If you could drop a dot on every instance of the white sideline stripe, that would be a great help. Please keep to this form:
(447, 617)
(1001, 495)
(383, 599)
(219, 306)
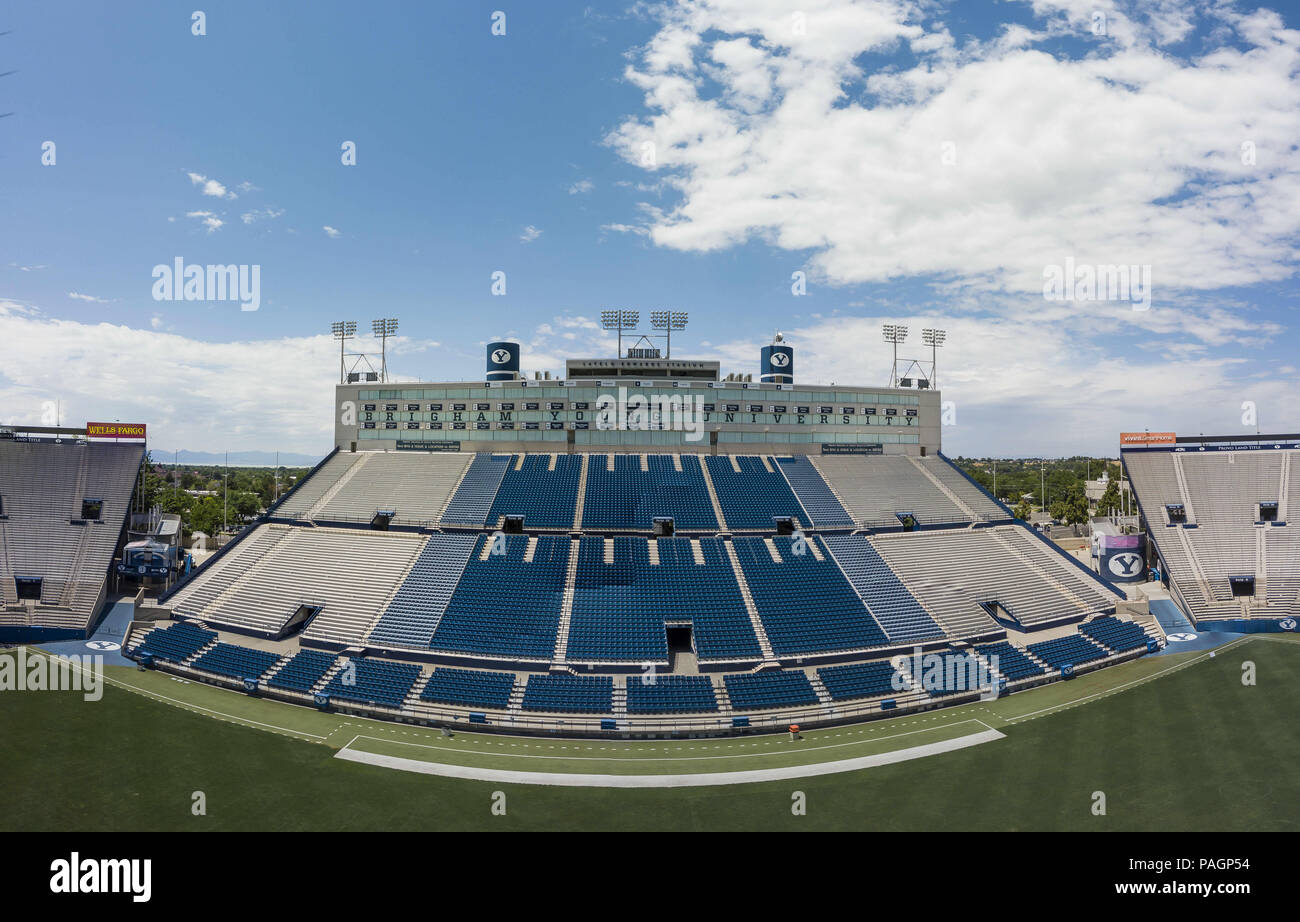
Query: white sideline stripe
(575, 779)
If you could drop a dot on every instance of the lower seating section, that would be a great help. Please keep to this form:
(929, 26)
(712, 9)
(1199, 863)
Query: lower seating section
(302, 672)
(620, 607)
(1114, 633)
(888, 600)
(670, 694)
(1011, 660)
(753, 496)
(952, 672)
(806, 604)
(236, 662)
(861, 680)
(630, 498)
(176, 643)
(1072, 649)
(569, 694)
(504, 605)
(546, 498)
(469, 687)
(372, 681)
(813, 493)
(752, 692)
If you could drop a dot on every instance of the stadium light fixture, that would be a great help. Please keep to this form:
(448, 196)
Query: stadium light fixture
(620, 320)
(343, 330)
(384, 328)
(669, 321)
(934, 339)
(894, 333)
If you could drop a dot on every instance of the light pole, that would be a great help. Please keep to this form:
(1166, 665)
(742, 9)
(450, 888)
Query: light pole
(894, 333)
(934, 339)
(669, 321)
(383, 329)
(620, 320)
(343, 330)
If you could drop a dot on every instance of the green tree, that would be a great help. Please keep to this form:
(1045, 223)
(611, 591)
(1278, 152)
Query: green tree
(1109, 503)
(1023, 510)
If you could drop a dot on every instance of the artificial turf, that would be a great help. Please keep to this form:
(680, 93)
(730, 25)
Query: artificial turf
(1191, 750)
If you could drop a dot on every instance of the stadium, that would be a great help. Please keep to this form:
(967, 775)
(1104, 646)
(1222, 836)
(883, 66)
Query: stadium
(658, 513)
(644, 550)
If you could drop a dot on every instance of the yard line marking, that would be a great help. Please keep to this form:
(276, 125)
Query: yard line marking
(568, 779)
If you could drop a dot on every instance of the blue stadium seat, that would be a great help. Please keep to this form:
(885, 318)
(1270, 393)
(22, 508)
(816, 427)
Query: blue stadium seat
(619, 609)
(894, 608)
(806, 605)
(1072, 649)
(752, 498)
(670, 694)
(473, 499)
(176, 643)
(237, 662)
(569, 693)
(302, 672)
(373, 682)
(860, 680)
(545, 498)
(469, 687)
(1119, 635)
(504, 606)
(755, 691)
(1011, 660)
(813, 494)
(628, 498)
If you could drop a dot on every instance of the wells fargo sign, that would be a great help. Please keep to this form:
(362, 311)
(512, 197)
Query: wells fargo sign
(1147, 438)
(115, 430)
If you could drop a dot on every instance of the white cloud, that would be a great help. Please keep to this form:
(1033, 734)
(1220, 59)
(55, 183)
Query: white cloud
(21, 268)
(226, 385)
(211, 186)
(261, 214)
(78, 296)
(208, 218)
(581, 187)
(331, 232)
(982, 162)
(530, 234)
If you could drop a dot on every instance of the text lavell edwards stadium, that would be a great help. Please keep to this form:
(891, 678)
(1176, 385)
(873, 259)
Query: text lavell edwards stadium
(103, 875)
(179, 282)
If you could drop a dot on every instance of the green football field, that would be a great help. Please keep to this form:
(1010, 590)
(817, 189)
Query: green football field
(1173, 743)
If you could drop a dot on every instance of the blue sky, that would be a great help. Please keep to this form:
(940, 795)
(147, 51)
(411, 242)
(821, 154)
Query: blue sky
(920, 163)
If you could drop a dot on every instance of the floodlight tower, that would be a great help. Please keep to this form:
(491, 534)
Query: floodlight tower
(669, 321)
(894, 333)
(343, 330)
(383, 329)
(934, 339)
(620, 320)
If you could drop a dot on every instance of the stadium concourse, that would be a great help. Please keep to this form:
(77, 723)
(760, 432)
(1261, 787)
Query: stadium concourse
(637, 594)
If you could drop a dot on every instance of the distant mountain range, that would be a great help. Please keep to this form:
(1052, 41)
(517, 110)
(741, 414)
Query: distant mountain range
(237, 458)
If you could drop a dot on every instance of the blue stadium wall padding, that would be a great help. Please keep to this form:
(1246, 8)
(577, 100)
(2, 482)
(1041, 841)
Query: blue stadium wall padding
(28, 633)
(740, 721)
(310, 474)
(888, 704)
(607, 724)
(1011, 516)
(477, 717)
(1067, 670)
(321, 701)
(1251, 626)
(1152, 645)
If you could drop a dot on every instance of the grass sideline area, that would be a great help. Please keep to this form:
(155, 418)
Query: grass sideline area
(1175, 742)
